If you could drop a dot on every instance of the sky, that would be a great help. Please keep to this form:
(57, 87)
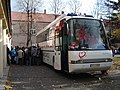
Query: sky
(87, 6)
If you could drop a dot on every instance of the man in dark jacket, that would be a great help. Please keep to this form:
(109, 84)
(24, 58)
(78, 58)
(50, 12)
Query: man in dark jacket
(39, 56)
(8, 56)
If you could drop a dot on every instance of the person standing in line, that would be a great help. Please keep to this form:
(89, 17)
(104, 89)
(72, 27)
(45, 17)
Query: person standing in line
(13, 55)
(29, 56)
(34, 52)
(39, 56)
(20, 56)
(24, 61)
(8, 56)
(16, 49)
(26, 56)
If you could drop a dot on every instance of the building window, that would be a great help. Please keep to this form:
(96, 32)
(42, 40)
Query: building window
(33, 32)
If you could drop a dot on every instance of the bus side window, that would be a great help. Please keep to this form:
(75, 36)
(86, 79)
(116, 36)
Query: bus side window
(45, 37)
(64, 36)
(58, 37)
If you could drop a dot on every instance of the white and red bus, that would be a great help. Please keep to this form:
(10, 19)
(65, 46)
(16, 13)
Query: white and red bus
(75, 44)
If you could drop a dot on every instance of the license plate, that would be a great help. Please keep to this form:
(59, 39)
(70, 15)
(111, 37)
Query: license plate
(94, 65)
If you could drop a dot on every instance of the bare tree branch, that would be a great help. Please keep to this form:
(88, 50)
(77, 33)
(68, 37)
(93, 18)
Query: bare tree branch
(75, 5)
(56, 5)
(99, 9)
(22, 4)
(28, 6)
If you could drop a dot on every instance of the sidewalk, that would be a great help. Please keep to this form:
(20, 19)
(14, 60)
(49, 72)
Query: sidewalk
(4, 78)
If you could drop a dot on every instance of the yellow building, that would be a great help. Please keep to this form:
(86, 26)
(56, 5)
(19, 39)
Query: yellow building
(5, 33)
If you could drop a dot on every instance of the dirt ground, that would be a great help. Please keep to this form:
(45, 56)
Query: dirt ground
(116, 63)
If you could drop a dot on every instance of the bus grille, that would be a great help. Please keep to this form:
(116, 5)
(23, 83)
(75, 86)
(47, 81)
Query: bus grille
(93, 60)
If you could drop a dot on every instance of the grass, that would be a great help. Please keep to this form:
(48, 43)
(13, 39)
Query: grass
(116, 58)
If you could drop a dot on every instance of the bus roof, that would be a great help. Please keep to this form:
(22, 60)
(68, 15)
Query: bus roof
(52, 23)
(63, 16)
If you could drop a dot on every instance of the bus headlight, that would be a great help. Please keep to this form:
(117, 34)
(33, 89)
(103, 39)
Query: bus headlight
(108, 60)
(76, 62)
(79, 61)
(73, 62)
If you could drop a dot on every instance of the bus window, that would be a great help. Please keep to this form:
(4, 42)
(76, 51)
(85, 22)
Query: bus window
(58, 39)
(81, 36)
(86, 34)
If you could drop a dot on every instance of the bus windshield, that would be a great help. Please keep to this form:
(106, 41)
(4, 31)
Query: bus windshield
(86, 34)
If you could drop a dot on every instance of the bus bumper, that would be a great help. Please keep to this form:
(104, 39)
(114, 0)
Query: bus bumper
(83, 68)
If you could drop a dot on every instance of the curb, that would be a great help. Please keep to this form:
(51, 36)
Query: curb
(4, 78)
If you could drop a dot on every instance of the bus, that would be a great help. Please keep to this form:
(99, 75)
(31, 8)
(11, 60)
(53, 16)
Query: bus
(76, 44)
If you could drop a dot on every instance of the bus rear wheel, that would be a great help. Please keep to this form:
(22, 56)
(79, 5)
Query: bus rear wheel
(104, 72)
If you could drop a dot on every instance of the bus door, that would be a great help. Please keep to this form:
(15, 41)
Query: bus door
(64, 51)
(58, 47)
(61, 47)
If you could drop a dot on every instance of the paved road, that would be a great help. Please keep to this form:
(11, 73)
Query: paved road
(45, 78)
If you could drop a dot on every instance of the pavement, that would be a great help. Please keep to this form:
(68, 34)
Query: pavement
(116, 63)
(3, 80)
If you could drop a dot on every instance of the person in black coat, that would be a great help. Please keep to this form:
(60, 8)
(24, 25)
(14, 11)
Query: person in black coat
(29, 56)
(39, 56)
(8, 56)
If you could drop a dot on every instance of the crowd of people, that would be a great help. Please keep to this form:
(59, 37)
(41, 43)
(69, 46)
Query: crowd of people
(24, 56)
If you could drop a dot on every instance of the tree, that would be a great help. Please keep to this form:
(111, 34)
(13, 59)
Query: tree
(29, 6)
(114, 18)
(56, 5)
(99, 10)
(75, 6)
(25, 5)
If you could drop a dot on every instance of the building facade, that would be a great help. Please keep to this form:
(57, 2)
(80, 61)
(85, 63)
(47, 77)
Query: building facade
(5, 33)
(20, 26)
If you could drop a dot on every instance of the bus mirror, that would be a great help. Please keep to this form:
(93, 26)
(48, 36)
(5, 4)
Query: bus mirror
(59, 27)
(65, 28)
(62, 26)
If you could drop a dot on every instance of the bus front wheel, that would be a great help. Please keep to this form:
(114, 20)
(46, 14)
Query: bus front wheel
(104, 72)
